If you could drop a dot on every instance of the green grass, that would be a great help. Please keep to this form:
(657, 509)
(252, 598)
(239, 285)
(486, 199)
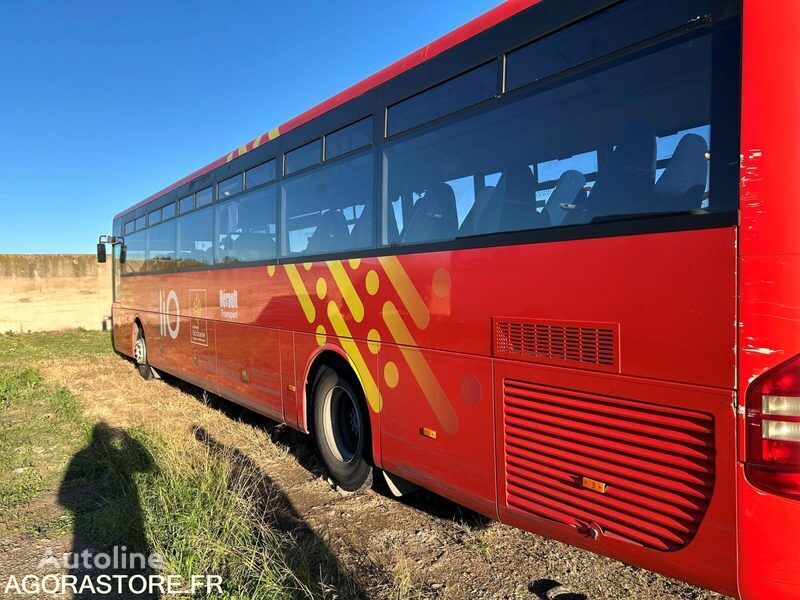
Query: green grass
(25, 349)
(39, 426)
(200, 505)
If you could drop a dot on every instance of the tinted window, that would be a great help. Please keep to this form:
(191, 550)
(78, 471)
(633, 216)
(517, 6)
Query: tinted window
(195, 238)
(154, 217)
(205, 197)
(349, 138)
(245, 229)
(136, 243)
(168, 211)
(130, 227)
(302, 157)
(588, 153)
(161, 247)
(186, 204)
(230, 186)
(329, 209)
(462, 91)
(261, 174)
(140, 223)
(613, 29)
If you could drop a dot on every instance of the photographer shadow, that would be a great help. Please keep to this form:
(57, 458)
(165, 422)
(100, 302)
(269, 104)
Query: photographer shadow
(100, 491)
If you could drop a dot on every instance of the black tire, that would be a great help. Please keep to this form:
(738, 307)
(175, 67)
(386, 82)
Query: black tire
(140, 356)
(342, 430)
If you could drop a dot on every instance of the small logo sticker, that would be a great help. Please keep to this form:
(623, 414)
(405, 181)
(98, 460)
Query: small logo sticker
(199, 326)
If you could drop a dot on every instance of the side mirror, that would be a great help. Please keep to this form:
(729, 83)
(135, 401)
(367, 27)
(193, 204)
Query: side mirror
(123, 254)
(101, 252)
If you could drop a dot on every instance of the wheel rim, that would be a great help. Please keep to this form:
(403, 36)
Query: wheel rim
(341, 424)
(140, 351)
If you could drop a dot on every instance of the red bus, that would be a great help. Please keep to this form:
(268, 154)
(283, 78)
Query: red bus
(547, 266)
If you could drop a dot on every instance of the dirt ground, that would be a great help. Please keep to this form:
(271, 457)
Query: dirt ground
(420, 546)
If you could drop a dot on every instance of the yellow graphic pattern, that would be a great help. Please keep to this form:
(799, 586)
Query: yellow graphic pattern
(392, 318)
(301, 292)
(349, 293)
(405, 289)
(351, 348)
(252, 145)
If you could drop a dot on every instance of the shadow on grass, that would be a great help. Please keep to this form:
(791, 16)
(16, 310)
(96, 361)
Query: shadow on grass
(309, 557)
(99, 489)
(302, 448)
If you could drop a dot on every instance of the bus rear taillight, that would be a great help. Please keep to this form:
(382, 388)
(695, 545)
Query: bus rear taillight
(773, 430)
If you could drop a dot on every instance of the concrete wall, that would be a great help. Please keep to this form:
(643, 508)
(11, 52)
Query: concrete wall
(47, 292)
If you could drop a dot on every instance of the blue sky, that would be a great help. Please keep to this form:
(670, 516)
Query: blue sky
(104, 103)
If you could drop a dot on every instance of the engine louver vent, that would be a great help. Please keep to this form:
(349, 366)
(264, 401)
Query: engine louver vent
(629, 470)
(587, 345)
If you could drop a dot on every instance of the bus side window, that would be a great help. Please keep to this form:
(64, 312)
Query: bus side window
(196, 238)
(576, 153)
(160, 247)
(323, 208)
(245, 227)
(136, 243)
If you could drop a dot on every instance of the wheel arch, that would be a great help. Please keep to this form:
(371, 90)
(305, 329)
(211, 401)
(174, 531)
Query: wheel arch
(137, 322)
(334, 357)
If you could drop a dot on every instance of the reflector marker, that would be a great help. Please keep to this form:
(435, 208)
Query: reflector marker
(301, 292)
(422, 372)
(349, 293)
(351, 349)
(428, 433)
(405, 289)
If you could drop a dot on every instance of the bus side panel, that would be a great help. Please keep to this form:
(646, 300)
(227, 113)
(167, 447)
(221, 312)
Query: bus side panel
(290, 389)
(769, 333)
(249, 366)
(197, 361)
(612, 464)
(437, 423)
(163, 350)
(123, 330)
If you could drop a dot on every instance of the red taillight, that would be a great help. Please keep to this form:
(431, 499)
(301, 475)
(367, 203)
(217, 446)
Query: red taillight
(773, 430)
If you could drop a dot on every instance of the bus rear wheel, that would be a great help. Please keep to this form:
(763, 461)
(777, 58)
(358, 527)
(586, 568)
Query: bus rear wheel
(140, 355)
(341, 428)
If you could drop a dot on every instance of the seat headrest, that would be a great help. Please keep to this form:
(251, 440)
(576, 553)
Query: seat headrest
(687, 170)
(517, 183)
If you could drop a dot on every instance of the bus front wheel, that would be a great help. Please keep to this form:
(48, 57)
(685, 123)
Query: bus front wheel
(341, 428)
(140, 355)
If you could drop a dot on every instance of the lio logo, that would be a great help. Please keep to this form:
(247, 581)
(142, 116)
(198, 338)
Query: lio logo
(167, 308)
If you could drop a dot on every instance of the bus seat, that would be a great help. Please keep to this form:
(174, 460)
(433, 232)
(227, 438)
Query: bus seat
(683, 183)
(568, 190)
(482, 199)
(435, 216)
(514, 202)
(363, 231)
(330, 235)
(625, 184)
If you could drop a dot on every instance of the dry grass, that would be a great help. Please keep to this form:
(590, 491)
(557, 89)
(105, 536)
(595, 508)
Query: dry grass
(147, 475)
(279, 526)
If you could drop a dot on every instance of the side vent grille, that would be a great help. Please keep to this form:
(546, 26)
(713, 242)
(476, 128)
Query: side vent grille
(587, 345)
(618, 468)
